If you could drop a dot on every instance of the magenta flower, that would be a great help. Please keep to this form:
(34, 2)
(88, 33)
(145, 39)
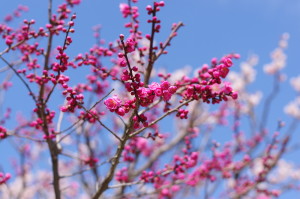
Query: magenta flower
(113, 103)
(125, 9)
(223, 71)
(156, 88)
(130, 45)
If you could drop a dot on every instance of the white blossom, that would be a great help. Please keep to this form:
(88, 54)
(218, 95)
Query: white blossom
(278, 57)
(293, 109)
(295, 82)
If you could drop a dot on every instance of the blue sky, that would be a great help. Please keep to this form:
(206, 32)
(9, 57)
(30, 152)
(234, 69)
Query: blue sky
(212, 28)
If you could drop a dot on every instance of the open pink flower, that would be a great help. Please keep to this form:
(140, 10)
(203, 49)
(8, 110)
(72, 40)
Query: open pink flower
(113, 103)
(156, 88)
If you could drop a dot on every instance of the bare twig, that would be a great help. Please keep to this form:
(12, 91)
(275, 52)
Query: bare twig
(101, 123)
(21, 78)
(26, 137)
(168, 41)
(268, 102)
(70, 127)
(152, 56)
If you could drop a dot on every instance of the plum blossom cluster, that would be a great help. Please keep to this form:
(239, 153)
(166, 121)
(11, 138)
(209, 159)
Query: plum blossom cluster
(145, 96)
(208, 86)
(293, 107)
(90, 116)
(122, 175)
(38, 123)
(240, 80)
(114, 105)
(136, 145)
(74, 100)
(91, 161)
(139, 92)
(295, 82)
(278, 56)
(96, 154)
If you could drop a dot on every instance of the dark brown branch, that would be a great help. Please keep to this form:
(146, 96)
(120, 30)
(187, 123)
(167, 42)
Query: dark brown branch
(115, 162)
(152, 55)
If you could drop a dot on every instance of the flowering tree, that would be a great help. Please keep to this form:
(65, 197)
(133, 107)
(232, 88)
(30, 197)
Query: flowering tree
(106, 136)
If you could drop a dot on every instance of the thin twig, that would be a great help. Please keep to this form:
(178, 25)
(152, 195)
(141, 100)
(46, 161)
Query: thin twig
(268, 102)
(152, 55)
(70, 127)
(160, 118)
(99, 121)
(83, 170)
(26, 137)
(168, 41)
(21, 78)
(125, 184)
(101, 99)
